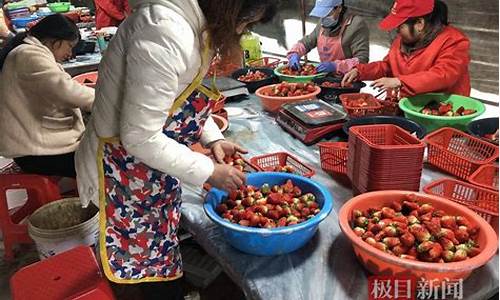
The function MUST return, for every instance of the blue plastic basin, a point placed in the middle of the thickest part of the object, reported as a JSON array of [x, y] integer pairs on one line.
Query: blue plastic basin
[[275, 241]]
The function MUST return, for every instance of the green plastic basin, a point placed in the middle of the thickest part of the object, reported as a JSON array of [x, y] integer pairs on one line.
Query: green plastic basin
[[291, 78], [412, 106]]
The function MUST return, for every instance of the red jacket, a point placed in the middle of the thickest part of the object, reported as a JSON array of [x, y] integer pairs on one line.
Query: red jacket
[[110, 12], [443, 66]]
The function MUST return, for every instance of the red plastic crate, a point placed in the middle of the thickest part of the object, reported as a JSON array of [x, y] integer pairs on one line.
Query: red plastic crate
[[373, 106], [486, 176], [383, 157], [269, 161], [458, 153], [483, 201], [333, 157]]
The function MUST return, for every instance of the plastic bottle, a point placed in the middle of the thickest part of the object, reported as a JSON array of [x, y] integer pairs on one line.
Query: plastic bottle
[[251, 47]]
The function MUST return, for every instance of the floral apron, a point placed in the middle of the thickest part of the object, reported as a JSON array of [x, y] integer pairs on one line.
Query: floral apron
[[140, 206]]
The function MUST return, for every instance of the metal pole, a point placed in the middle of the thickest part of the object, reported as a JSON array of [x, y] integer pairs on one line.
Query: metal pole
[[303, 17]]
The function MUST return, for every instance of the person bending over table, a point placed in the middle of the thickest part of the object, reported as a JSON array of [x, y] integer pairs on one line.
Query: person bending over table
[[40, 105], [428, 55]]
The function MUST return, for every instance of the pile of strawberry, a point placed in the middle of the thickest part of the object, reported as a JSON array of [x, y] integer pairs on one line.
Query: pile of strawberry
[[287, 89], [284, 169], [435, 108], [268, 207], [253, 76], [305, 70], [236, 161], [335, 85], [416, 231]]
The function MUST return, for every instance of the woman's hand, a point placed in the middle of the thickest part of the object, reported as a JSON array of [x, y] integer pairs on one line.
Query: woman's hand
[[222, 148], [385, 83], [226, 177], [350, 77]]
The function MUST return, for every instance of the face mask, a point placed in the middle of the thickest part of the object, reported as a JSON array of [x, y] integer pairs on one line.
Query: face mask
[[329, 22]]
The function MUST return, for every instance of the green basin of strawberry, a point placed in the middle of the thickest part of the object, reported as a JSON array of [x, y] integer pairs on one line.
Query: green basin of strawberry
[[417, 232], [268, 207]]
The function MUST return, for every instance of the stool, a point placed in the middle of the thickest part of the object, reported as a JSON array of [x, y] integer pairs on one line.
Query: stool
[[40, 190], [73, 274]]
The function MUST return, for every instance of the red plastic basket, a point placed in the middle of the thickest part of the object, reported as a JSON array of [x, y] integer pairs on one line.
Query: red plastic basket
[[483, 201], [372, 108], [269, 161], [333, 156], [384, 157], [458, 153], [486, 176], [266, 62]]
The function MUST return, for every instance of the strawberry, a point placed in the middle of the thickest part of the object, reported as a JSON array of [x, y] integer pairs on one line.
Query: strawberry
[[375, 228], [233, 195], [228, 216], [282, 222], [413, 220], [409, 206], [406, 256], [473, 251], [381, 246], [258, 195], [231, 203], [370, 241], [434, 229], [438, 213], [413, 213], [379, 236], [436, 220], [426, 217], [391, 241], [425, 209], [473, 230], [299, 206], [313, 205], [436, 251], [305, 212], [296, 213], [460, 255], [377, 214], [407, 239], [384, 222], [399, 249], [448, 255], [261, 209], [287, 211], [292, 219], [244, 223], [280, 210], [248, 201], [359, 231], [367, 234], [448, 222], [221, 208], [401, 219], [421, 234], [412, 251], [296, 191], [388, 213], [273, 215], [276, 189], [254, 221], [462, 221], [390, 231], [396, 205], [265, 189], [400, 226], [270, 224], [262, 201], [361, 221], [288, 186], [411, 198], [446, 244], [461, 234], [425, 246]]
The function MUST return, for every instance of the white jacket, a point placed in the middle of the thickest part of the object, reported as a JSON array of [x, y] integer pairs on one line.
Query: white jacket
[[39, 103], [153, 57]]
